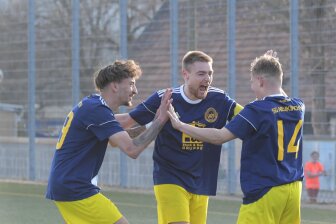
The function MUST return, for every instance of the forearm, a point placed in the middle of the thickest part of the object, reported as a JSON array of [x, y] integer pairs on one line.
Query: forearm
[[142, 141], [136, 131], [312, 175], [125, 120], [210, 135], [149, 134], [133, 147]]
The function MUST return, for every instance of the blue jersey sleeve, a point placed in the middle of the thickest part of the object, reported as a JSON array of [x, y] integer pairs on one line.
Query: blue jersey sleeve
[[145, 112], [245, 123], [227, 104], [102, 123], [231, 104]]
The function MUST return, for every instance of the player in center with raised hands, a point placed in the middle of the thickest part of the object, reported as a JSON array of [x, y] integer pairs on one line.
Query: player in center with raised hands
[[185, 169]]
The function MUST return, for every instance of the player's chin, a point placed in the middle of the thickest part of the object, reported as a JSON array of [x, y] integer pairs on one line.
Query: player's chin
[[128, 104], [202, 94]]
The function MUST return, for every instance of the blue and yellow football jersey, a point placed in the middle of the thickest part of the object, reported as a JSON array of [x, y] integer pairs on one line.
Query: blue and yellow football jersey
[[271, 130], [178, 158], [80, 150]]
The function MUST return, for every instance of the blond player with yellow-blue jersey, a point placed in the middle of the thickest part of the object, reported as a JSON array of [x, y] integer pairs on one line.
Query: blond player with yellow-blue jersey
[[81, 147], [186, 170], [271, 157]]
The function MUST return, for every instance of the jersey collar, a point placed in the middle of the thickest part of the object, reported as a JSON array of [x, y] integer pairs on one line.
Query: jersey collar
[[274, 95], [186, 98]]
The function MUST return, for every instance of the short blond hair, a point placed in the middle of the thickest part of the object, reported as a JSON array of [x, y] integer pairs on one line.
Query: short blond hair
[[267, 65], [195, 56]]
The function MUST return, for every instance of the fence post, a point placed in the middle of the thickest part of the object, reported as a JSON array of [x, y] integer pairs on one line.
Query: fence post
[[294, 42], [31, 88], [75, 51], [123, 54], [231, 45], [174, 41]]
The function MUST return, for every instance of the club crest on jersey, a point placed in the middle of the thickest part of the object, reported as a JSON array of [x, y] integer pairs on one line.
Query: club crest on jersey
[[211, 115]]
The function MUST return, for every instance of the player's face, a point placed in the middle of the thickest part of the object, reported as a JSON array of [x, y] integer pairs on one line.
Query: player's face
[[127, 90], [198, 77]]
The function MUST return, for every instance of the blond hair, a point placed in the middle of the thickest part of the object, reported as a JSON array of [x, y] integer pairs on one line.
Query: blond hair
[[195, 56], [268, 66]]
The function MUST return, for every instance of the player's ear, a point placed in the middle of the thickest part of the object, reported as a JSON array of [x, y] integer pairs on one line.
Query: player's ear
[[261, 81], [185, 74], [114, 86]]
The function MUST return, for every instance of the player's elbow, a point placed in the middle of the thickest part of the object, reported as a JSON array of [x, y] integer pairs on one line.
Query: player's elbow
[[133, 155], [224, 135], [131, 152], [218, 141], [218, 138]]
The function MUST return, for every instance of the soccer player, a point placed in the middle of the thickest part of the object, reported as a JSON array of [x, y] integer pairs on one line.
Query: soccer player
[[185, 169], [82, 144], [271, 158]]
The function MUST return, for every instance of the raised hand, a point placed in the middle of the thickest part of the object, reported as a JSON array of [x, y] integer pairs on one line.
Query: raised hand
[[176, 123], [162, 111], [272, 53]]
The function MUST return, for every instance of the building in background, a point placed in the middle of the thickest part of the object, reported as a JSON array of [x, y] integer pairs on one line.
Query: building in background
[[11, 115]]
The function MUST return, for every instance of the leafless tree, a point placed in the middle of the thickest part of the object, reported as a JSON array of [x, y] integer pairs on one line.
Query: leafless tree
[[99, 32]]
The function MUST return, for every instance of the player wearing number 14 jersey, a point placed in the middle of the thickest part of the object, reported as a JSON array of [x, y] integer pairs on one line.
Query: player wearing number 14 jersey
[[271, 157]]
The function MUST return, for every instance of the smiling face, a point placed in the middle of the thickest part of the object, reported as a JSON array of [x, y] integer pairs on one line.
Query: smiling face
[[126, 91], [197, 79]]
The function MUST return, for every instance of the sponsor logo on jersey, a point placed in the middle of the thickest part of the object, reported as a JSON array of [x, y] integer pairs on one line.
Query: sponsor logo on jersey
[[189, 143]]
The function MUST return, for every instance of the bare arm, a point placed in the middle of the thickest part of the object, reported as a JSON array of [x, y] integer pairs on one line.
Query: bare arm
[[125, 120], [130, 125], [133, 147], [210, 135], [136, 131], [311, 175], [320, 173]]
